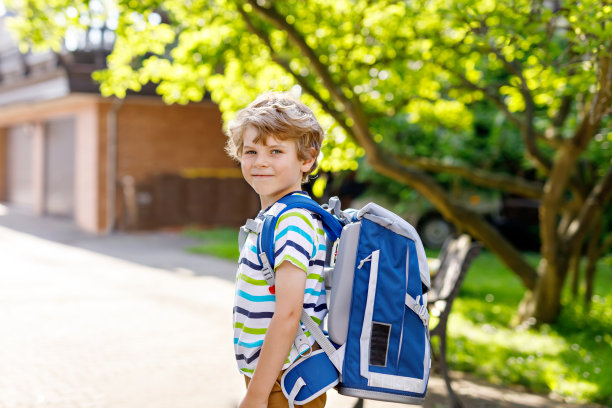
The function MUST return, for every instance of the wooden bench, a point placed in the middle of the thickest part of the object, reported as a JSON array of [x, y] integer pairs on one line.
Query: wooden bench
[[455, 259]]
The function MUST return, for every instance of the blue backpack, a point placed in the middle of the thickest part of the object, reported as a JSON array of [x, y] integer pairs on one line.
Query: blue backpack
[[377, 345]]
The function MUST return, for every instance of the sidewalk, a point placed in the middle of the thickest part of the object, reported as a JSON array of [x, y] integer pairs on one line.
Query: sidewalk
[[131, 320]]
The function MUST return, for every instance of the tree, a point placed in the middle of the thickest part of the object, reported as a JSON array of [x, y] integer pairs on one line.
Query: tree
[[374, 69]]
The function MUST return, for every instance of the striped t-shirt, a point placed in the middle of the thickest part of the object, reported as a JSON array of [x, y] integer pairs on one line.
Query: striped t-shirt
[[298, 238]]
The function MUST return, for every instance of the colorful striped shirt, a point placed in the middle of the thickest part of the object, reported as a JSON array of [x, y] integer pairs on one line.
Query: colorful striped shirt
[[298, 238]]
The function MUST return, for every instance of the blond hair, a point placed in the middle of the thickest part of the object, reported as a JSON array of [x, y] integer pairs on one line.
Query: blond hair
[[282, 116]]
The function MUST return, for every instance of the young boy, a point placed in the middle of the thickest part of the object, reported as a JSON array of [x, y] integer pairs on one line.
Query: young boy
[[277, 140]]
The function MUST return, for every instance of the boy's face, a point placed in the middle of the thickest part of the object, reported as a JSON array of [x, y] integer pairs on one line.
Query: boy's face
[[272, 169]]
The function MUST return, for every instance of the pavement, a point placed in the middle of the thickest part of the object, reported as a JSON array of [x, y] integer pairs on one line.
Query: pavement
[[131, 320]]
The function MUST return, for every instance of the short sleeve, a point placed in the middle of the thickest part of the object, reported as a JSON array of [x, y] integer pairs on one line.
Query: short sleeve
[[295, 239]]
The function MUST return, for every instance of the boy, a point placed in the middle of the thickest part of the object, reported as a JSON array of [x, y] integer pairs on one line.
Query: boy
[[277, 140]]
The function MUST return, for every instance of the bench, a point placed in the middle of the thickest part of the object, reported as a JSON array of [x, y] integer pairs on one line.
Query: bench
[[455, 259]]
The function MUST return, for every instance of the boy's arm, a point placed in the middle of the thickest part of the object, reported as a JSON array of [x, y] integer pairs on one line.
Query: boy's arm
[[290, 284]]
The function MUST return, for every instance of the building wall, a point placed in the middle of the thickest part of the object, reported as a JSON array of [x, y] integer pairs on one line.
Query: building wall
[[19, 170], [86, 181], [59, 169], [3, 164], [154, 138]]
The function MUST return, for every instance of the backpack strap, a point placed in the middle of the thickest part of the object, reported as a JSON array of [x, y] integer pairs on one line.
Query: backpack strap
[[252, 225], [265, 252], [265, 242]]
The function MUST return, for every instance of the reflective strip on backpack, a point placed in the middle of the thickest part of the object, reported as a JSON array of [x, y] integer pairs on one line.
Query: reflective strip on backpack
[[366, 331]]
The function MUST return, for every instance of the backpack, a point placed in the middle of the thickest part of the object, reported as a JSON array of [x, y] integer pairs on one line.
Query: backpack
[[377, 345]]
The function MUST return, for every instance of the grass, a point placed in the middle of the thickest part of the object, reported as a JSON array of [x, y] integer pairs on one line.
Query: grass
[[221, 242], [568, 358]]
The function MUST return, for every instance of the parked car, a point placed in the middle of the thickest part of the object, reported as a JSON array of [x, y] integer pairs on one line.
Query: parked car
[[516, 218]]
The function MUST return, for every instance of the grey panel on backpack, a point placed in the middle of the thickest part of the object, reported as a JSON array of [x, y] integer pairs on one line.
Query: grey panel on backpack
[[397, 224], [342, 284]]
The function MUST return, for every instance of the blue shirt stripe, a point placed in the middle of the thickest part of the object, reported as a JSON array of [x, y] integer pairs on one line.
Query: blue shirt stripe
[[250, 264], [248, 359], [294, 229], [313, 292], [248, 345], [253, 298], [253, 315], [316, 308], [293, 245]]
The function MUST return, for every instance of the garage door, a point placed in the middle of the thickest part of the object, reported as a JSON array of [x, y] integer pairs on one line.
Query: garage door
[[59, 167], [20, 185]]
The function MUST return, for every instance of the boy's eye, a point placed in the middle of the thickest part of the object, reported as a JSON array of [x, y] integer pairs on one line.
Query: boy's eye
[[276, 151], [249, 152]]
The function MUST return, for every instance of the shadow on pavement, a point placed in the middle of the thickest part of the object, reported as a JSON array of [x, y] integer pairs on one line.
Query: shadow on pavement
[[158, 249]]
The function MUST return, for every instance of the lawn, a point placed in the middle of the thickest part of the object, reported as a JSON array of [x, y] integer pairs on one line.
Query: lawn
[[567, 358]]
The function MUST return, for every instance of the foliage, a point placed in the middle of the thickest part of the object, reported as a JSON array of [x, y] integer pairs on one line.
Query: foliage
[[454, 87]]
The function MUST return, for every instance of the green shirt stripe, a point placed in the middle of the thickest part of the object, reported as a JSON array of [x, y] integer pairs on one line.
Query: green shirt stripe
[[317, 321], [315, 276], [249, 330], [293, 261], [294, 214], [257, 282]]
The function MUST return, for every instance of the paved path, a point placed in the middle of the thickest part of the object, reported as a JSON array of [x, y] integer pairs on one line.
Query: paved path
[[132, 321]]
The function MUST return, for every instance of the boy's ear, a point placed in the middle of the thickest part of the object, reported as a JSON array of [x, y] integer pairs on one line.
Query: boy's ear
[[307, 164]]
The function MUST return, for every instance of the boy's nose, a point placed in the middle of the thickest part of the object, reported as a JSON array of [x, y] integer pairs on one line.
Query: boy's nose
[[261, 161]]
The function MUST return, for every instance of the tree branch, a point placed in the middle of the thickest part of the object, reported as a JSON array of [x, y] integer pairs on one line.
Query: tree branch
[[297, 39], [360, 130], [515, 185], [527, 127], [528, 131], [460, 216], [552, 136], [600, 105], [596, 201], [340, 119], [490, 95]]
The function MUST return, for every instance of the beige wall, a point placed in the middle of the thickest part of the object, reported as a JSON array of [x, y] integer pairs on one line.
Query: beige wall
[[19, 166], [86, 181], [84, 110], [38, 167], [3, 164]]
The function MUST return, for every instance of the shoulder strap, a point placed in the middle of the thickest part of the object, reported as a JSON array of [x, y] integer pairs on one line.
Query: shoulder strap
[[265, 243]]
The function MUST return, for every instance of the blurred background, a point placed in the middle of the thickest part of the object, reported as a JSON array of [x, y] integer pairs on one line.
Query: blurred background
[[481, 117]]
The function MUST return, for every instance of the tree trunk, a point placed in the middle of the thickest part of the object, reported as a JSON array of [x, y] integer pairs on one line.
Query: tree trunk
[[594, 252], [574, 269], [543, 304], [589, 278]]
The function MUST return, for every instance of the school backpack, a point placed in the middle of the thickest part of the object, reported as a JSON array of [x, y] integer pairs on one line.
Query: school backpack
[[377, 345]]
